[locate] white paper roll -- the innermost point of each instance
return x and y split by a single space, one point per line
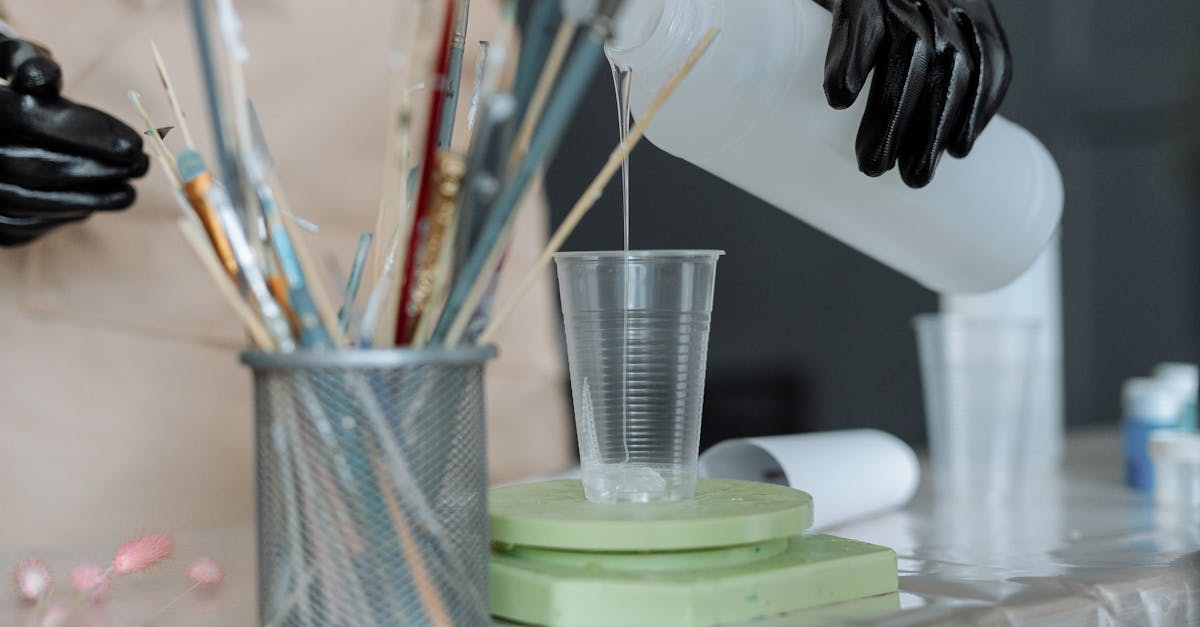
850 474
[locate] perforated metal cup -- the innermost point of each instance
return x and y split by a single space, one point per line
372 487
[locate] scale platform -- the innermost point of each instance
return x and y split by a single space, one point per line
736 552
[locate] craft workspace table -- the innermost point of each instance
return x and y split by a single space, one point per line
1077 549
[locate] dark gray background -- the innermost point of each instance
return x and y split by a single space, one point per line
809 334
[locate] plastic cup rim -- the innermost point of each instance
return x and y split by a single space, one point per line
640 255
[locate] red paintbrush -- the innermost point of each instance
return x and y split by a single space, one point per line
404 319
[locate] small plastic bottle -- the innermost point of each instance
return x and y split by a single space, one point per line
753 112
1186 379
1176 459
1150 405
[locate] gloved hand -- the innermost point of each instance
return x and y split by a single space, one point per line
59 161
942 68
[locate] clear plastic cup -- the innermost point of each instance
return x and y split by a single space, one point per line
637 345
976 376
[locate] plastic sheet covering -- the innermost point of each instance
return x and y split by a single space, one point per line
1079 549
1072 548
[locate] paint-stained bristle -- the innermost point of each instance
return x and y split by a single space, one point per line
205 572
142 553
89 577
33 578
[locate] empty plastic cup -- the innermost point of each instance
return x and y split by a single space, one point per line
637 345
976 375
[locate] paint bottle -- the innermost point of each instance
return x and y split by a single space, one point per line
1150 406
1186 379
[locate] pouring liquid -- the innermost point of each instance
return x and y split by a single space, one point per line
622 82
639 426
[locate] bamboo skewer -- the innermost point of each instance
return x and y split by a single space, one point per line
169 87
426 585
161 153
596 189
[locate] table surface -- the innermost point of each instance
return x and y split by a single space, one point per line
1075 549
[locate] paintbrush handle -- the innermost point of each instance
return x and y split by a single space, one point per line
404 315
537 102
454 73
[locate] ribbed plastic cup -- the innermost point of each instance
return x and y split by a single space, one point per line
637 345
976 374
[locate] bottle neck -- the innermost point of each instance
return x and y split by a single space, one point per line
651 32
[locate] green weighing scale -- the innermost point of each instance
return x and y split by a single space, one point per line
736 552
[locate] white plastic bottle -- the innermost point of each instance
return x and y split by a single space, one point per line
753 112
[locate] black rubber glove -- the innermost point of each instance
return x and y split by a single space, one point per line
942 67
59 161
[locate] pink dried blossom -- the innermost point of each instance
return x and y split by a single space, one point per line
33 578
142 553
205 572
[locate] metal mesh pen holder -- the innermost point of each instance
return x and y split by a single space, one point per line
372 487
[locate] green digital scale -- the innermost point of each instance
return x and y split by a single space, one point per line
736 552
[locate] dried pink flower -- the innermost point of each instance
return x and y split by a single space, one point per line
142 553
33 578
205 572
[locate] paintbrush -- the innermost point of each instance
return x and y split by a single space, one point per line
449 169
532 112
212 195
485 171
453 77
405 314
352 284
212 89
212 224
535 46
